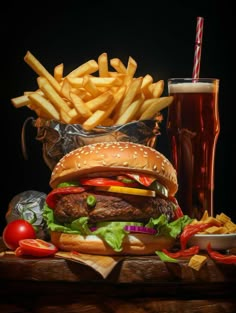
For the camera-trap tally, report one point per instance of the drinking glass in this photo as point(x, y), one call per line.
point(193, 128)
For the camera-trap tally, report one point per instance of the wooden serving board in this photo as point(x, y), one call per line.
point(135, 284)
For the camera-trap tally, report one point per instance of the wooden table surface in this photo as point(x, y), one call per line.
point(136, 284)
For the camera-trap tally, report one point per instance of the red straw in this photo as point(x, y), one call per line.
point(198, 47)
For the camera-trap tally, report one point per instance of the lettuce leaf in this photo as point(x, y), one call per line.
point(113, 233)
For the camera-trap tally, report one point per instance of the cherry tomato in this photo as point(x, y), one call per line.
point(35, 247)
point(15, 231)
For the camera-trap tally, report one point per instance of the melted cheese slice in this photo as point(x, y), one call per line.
point(128, 190)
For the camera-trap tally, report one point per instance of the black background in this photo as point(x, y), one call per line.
point(159, 36)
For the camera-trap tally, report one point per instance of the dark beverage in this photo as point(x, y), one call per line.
point(193, 127)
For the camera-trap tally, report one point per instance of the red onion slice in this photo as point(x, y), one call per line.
point(140, 229)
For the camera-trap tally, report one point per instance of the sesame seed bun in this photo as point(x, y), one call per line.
point(102, 159)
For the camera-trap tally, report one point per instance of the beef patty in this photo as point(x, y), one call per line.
point(111, 207)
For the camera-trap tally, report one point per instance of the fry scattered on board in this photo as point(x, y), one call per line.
point(197, 261)
point(103, 92)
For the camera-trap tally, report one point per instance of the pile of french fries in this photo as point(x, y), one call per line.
point(92, 94)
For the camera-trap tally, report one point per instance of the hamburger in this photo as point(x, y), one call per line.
point(113, 198)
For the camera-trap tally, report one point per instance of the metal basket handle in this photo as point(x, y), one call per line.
point(23, 140)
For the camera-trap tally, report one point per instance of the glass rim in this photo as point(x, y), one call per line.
point(188, 79)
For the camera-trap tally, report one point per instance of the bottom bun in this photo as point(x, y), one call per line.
point(136, 244)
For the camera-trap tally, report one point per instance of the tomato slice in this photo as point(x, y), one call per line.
point(105, 181)
point(35, 247)
point(136, 179)
point(100, 181)
point(51, 198)
point(144, 180)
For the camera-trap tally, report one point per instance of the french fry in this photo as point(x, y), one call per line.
point(41, 70)
point(20, 101)
point(101, 116)
point(75, 118)
point(90, 86)
point(65, 89)
point(146, 104)
point(118, 65)
point(146, 83)
point(157, 88)
point(107, 82)
point(85, 69)
point(58, 72)
point(95, 119)
point(129, 114)
point(44, 105)
point(116, 99)
point(132, 91)
point(52, 95)
point(65, 118)
point(157, 105)
point(82, 93)
point(103, 65)
point(100, 102)
point(80, 106)
point(132, 67)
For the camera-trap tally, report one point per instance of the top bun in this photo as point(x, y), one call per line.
point(106, 158)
